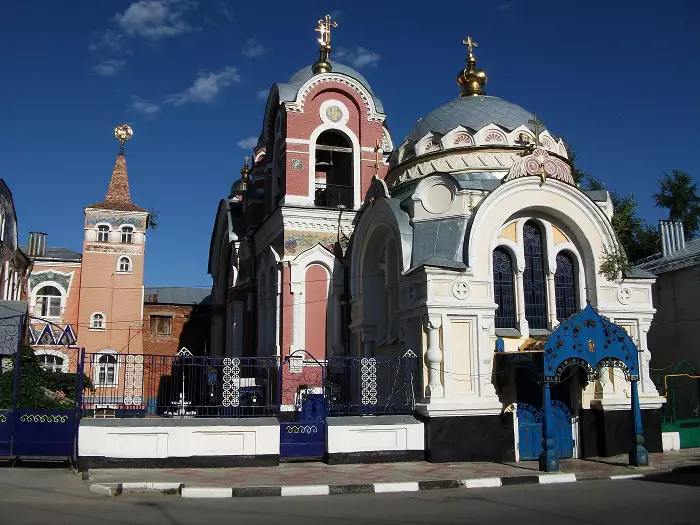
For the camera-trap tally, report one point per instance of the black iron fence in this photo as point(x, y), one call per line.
point(334, 196)
point(180, 386)
point(374, 385)
point(187, 386)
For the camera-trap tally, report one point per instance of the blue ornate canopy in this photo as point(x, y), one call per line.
point(591, 341)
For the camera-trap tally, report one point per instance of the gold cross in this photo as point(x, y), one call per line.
point(377, 152)
point(324, 27)
point(538, 126)
point(470, 44)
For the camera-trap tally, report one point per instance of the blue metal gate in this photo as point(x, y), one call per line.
point(530, 431)
point(34, 420)
point(303, 407)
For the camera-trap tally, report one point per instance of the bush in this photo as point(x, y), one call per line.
point(38, 388)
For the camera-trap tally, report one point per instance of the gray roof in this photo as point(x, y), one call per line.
point(658, 264)
point(472, 113)
point(61, 254)
point(288, 91)
point(177, 295)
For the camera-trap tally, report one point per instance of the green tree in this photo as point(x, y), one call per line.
point(153, 218)
point(679, 196)
point(579, 175)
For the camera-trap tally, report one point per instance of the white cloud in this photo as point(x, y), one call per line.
point(110, 40)
point(207, 86)
point(224, 10)
point(263, 94)
point(248, 143)
point(109, 68)
point(144, 106)
point(358, 57)
point(253, 49)
point(155, 19)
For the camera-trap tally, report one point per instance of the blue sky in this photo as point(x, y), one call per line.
point(618, 79)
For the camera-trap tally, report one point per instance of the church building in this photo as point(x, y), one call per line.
point(466, 243)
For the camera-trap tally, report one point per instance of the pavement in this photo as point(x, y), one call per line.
point(34, 496)
point(301, 479)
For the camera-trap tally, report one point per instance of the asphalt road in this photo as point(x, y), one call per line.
point(48, 497)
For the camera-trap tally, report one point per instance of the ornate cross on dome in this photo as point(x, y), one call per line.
point(377, 153)
point(324, 27)
point(538, 127)
point(122, 133)
point(470, 44)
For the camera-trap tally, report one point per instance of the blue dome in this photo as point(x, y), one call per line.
point(472, 113)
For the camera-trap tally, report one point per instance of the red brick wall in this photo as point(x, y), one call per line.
point(190, 328)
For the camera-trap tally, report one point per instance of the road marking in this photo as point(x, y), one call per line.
point(546, 479)
point(407, 486)
point(481, 483)
point(305, 490)
point(627, 476)
point(206, 492)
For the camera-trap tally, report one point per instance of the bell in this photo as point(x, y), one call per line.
point(324, 166)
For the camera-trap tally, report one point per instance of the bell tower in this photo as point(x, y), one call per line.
point(111, 298)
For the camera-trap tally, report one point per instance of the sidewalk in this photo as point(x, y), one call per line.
point(318, 474)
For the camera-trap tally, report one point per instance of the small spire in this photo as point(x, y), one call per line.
point(245, 171)
point(118, 191)
point(322, 65)
point(469, 79)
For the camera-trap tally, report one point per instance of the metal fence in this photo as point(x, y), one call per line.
point(372, 386)
point(180, 386)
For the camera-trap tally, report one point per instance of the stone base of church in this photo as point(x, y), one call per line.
point(374, 439)
point(606, 433)
point(469, 438)
point(171, 443)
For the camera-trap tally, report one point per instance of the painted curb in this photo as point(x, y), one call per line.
point(115, 489)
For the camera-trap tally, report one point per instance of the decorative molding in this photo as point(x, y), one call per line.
point(133, 380)
point(116, 221)
point(107, 248)
point(539, 163)
point(231, 380)
point(297, 106)
point(368, 378)
point(63, 278)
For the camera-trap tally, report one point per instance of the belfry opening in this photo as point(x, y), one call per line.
point(334, 171)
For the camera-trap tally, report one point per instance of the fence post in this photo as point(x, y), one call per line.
point(15, 374)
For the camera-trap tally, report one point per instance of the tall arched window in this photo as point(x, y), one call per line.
point(565, 286)
point(503, 288)
point(534, 282)
point(48, 302)
point(334, 170)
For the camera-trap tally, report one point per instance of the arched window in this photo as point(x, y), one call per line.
point(534, 282)
point(334, 170)
point(48, 302)
point(565, 286)
point(503, 288)
point(127, 234)
point(103, 233)
point(50, 363)
point(106, 370)
point(97, 321)
point(124, 264)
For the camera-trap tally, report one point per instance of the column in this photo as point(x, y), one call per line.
point(549, 462)
point(551, 300)
point(639, 457)
point(520, 302)
point(433, 358)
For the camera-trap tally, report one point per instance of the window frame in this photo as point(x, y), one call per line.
point(101, 231)
point(535, 279)
point(100, 365)
point(497, 296)
point(130, 267)
point(40, 301)
point(569, 290)
point(159, 318)
point(103, 321)
point(127, 232)
point(61, 368)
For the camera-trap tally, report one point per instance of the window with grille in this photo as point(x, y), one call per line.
point(161, 324)
point(103, 233)
point(503, 288)
point(534, 282)
point(51, 363)
point(124, 264)
point(565, 286)
point(106, 370)
point(48, 302)
point(127, 234)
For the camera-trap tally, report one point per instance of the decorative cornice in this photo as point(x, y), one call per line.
point(298, 105)
point(541, 164)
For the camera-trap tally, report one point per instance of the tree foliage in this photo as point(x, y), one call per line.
point(153, 218)
point(679, 195)
point(37, 388)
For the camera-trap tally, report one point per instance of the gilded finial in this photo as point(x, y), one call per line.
point(122, 133)
point(471, 80)
point(377, 153)
point(244, 174)
point(325, 25)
